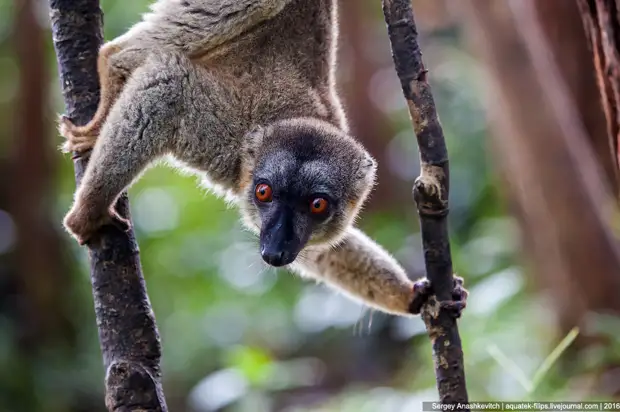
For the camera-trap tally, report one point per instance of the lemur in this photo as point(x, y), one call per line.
point(242, 92)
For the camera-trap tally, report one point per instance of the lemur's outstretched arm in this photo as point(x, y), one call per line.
point(364, 271)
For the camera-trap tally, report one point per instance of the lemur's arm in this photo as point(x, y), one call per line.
point(363, 270)
point(169, 106)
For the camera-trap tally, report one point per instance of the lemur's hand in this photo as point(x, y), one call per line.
point(83, 222)
point(422, 289)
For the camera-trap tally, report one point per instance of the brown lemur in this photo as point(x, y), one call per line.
point(242, 93)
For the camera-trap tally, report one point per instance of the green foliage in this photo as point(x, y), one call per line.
point(255, 364)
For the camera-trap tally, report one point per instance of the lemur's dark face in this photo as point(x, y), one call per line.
point(308, 185)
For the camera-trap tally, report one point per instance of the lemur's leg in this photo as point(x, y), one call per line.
point(165, 108)
point(172, 25)
point(363, 270)
point(114, 66)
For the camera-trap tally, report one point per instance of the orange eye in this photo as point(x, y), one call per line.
point(263, 192)
point(318, 205)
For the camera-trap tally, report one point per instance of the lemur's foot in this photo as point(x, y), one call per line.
point(422, 289)
point(79, 138)
point(83, 225)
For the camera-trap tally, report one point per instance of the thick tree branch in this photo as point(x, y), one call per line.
point(430, 192)
point(127, 331)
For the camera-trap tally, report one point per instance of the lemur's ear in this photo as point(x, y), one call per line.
point(366, 169)
point(364, 179)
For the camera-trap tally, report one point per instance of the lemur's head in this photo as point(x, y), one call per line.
point(304, 184)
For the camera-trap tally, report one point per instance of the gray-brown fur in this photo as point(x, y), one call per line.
point(239, 91)
point(361, 269)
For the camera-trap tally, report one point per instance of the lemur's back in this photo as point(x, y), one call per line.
point(299, 76)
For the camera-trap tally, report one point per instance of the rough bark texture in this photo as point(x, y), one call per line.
point(602, 25)
point(430, 192)
point(127, 331)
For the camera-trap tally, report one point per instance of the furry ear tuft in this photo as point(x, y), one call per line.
point(367, 168)
point(365, 176)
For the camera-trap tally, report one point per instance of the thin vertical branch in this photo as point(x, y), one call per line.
point(430, 192)
point(127, 330)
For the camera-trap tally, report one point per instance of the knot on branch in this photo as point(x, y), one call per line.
point(429, 192)
point(432, 311)
point(439, 315)
point(130, 387)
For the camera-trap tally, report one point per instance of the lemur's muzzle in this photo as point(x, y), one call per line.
point(279, 242)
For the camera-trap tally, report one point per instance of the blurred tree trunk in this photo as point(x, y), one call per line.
point(368, 123)
point(35, 284)
point(434, 15)
point(39, 263)
point(549, 142)
point(563, 28)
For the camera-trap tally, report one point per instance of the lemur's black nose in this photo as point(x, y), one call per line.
point(277, 257)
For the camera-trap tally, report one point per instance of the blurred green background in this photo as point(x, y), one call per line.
point(236, 335)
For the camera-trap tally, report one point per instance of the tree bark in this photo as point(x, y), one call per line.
point(430, 192)
point(127, 330)
point(602, 26)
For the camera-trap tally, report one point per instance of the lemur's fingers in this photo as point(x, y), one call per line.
point(81, 226)
point(79, 146)
point(84, 225)
point(67, 128)
point(75, 141)
point(456, 308)
point(118, 221)
point(459, 293)
point(459, 296)
point(422, 290)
